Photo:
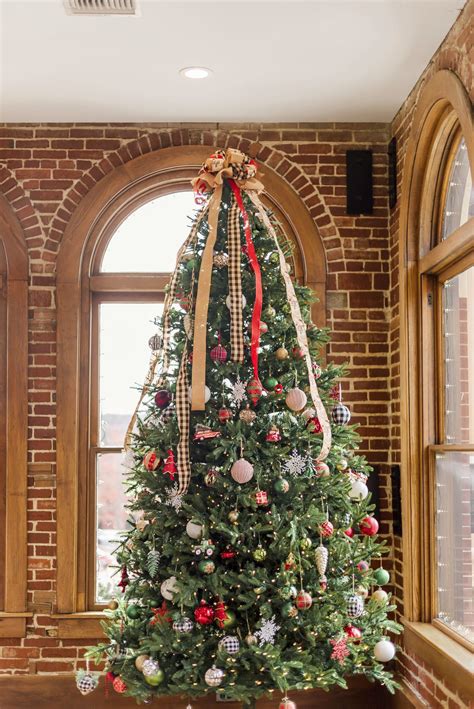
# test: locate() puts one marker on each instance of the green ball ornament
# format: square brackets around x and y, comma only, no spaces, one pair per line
[275,257]
[229,621]
[155,679]
[133,612]
[259,554]
[285,592]
[206,566]
[270,312]
[342,464]
[381,576]
[282,485]
[270,383]
[306,543]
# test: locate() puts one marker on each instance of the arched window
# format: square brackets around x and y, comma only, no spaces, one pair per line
[113,267]
[13,423]
[437,368]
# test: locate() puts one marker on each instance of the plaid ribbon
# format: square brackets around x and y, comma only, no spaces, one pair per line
[164,349]
[235,282]
[300,331]
[184,415]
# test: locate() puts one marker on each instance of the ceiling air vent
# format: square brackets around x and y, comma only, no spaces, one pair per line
[100,7]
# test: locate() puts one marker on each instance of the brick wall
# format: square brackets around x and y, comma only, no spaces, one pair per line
[46,171]
[457,54]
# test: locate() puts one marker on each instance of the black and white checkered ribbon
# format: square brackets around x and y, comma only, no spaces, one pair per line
[183,413]
[235,283]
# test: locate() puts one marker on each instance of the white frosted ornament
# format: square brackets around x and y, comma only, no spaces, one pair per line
[308,414]
[194,529]
[168,588]
[244,301]
[214,676]
[379,596]
[207,394]
[242,471]
[296,399]
[384,651]
[321,556]
[150,667]
[359,490]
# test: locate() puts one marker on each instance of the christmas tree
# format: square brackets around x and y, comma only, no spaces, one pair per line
[251,560]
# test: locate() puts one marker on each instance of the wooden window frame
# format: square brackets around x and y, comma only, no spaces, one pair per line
[443,111]
[13,421]
[79,279]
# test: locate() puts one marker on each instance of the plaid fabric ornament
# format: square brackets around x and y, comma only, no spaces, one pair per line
[355,606]
[230,644]
[326,528]
[86,682]
[218,354]
[341,414]
[183,626]
[261,497]
[235,283]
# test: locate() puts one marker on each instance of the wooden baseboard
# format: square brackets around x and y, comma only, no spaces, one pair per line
[59,691]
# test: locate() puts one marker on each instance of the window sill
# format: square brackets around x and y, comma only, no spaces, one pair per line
[80,625]
[13,625]
[450,660]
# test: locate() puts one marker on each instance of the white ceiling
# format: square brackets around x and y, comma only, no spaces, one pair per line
[293,60]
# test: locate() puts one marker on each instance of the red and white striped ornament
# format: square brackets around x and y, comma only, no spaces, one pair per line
[304,600]
[326,528]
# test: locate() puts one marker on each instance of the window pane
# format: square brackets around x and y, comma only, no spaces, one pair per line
[111,519]
[455,540]
[125,328]
[458,305]
[459,202]
[149,238]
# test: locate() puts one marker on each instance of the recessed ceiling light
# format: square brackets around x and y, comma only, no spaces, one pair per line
[195,72]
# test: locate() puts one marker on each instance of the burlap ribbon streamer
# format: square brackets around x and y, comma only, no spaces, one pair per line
[164,349]
[198,381]
[226,165]
[300,332]
[235,283]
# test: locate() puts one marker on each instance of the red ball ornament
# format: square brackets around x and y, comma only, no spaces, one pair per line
[349,532]
[297,352]
[218,354]
[322,470]
[263,327]
[369,526]
[278,388]
[151,461]
[286,704]
[224,414]
[353,633]
[273,435]
[204,614]
[162,398]
[303,601]
[183,300]
[326,528]
[119,685]
[227,554]
[254,390]
[363,567]
[314,425]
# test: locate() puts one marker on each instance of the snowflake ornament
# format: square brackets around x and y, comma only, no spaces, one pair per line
[297,464]
[340,651]
[173,498]
[267,632]
[238,391]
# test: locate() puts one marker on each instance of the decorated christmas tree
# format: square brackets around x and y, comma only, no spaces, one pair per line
[251,563]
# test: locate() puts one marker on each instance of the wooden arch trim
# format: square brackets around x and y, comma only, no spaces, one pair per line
[14,417]
[127,184]
[442,103]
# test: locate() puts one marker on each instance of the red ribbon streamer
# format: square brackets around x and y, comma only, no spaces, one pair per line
[257,306]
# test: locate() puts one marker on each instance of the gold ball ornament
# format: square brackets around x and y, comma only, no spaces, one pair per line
[113,605]
[251,639]
[247,415]
[140,660]
[281,353]
[233,516]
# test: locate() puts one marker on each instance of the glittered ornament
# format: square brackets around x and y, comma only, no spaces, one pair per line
[342,464]
[353,633]
[379,596]
[359,490]
[220,259]
[162,398]
[150,667]
[381,576]
[224,414]
[341,414]
[290,562]
[306,543]
[194,529]
[286,704]
[242,471]
[151,460]
[270,312]
[230,644]
[86,682]
[169,467]
[321,556]
[169,587]
[326,528]
[204,614]
[281,485]
[244,301]
[154,343]
[214,676]
[369,526]
[288,610]
[321,470]
[119,685]
[296,399]
[304,600]
[210,478]
[355,606]
[247,415]
[227,554]
[261,497]
[281,353]
[254,390]
[259,554]
[233,516]
[140,660]
[183,625]
[218,354]
[206,566]
[384,651]
[273,435]
[155,679]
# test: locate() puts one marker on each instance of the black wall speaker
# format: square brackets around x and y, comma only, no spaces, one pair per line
[359,182]
[396,499]
[392,173]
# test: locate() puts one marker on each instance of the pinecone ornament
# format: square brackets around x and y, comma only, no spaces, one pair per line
[321,556]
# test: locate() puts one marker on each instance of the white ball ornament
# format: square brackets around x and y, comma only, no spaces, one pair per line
[242,471]
[379,596]
[384,651]
[207,394]
[194,529]
[150,667]
[296,399]
[214,676]
[168,588]
[359,490]
[244,301]
[341,415]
